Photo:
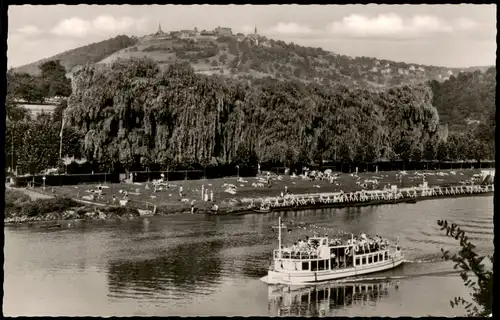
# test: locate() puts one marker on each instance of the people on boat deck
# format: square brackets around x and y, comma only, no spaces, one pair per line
[363,244]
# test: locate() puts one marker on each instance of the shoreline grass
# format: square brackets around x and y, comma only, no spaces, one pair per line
[169,201]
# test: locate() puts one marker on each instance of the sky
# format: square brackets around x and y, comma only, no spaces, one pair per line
[444,35]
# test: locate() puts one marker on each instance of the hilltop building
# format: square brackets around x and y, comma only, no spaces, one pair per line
[188,33]
[254,37]
[223,31]
[160,32]
[207,33]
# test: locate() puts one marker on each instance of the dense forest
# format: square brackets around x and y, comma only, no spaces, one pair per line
[134,114]
[466,99]
[50,82]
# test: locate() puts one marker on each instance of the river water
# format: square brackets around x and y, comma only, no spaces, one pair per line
[206,265]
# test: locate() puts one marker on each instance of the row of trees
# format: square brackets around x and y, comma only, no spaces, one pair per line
[133,114]
[465,99]
[32,143]
[50,82]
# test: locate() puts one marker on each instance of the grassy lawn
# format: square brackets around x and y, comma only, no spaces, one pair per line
[146,198]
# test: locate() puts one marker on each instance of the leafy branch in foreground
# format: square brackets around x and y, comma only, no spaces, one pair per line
[469,261]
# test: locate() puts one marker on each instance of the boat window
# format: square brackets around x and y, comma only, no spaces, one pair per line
[314,265]
[357,261]
[370,259]
[327,264]
[305,265]
[375,258]
[363,260]
[321,265]
[386,255]
[381,256]
[324,242]
[332,263]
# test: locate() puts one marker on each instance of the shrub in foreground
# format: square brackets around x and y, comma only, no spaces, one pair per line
[470,262]
[121,211]
[45,206]
[14,202]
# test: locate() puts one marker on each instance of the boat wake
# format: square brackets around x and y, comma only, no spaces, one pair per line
[426,260]
[400,277]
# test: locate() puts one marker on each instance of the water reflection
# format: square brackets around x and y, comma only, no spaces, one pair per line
[324,299]
[188,267]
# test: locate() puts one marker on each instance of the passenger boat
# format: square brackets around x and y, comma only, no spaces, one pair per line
[263,209]
[329,261]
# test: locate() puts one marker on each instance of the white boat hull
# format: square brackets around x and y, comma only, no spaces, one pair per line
[298,277]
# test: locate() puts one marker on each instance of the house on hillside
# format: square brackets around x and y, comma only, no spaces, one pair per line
[412,68]
[184,34]
[223,31]
[421,69]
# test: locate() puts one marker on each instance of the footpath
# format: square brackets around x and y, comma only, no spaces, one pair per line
[35,195]
[32,194]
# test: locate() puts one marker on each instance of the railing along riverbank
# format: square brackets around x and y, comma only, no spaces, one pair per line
[371,197]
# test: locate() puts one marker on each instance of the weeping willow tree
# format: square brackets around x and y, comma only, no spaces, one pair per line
[133,113]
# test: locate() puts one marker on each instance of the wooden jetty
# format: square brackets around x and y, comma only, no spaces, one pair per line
[371,197]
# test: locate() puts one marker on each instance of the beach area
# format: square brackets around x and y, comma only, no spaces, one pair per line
[232,195]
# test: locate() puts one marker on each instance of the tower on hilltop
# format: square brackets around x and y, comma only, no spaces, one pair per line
[255,31]
[159,29]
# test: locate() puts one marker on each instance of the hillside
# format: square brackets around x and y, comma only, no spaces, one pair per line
[91,53]
[254,56]
[257,57]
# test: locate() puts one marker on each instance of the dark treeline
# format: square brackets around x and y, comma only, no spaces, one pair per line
[466,98]
[49,83]
[466,105]
[32,144]
[132,115]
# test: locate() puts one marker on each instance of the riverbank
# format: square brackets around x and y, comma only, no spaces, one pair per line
[232,195]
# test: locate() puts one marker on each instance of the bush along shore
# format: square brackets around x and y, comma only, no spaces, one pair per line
[20,208]
[67,202]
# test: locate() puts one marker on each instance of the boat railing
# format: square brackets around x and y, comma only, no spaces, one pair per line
[298,255]
[304,255]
